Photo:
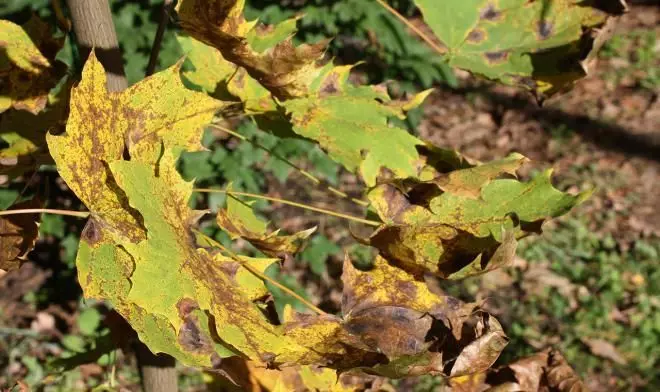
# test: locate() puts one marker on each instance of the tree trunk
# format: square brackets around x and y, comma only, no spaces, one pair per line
[157,371]
[92,24]
[93,27]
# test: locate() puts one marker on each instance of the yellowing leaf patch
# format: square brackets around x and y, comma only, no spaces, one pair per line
[157,113]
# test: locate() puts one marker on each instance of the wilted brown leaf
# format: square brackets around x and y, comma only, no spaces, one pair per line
[605,349]
[18,235]
[544,371]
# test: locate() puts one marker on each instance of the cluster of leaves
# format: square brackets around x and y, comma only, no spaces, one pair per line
[439,213]
[364,30]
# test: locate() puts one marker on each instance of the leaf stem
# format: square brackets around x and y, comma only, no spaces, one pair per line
[259,274]
[291,203]
[412,27]
[302,171]
[77,214]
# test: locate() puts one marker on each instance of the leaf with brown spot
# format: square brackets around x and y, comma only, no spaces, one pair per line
[18,235]
[464,222]
[239,221]
[28,69]
[543,46]
[469,182]
[386,311]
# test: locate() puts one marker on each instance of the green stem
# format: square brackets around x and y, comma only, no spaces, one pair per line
[259,274]
[292,203]
[412,27]
[302,171]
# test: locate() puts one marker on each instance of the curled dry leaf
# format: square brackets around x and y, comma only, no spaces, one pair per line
[18,235]
[239,221]
[463,222]
[542,46]
[544,371]
[28,69]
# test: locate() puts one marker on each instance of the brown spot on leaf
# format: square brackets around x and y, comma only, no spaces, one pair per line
[92,233]
[476,35]
[330,85]
[186,306]
[192,338]
[544,29]
[490,13]
[496,57]
[392,330]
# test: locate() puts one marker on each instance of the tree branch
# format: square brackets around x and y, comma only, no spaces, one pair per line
[158,39]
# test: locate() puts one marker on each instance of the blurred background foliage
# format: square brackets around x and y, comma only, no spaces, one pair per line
[586,293]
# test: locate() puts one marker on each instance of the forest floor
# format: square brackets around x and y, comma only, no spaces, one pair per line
[585,286]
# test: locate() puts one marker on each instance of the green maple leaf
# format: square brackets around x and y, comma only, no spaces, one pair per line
[352,125]
[539,45]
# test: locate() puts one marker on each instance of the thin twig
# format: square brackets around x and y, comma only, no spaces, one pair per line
[158,39]
[302,171]
[412,27]
[77,214]
[291,203]
[259,274]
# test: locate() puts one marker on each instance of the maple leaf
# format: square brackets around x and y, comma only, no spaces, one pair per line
[267,54]
[239,221]
[351,124]
[159,112]
[18,235]
[249,376]
[28,69]
[543,46]
[463,222]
